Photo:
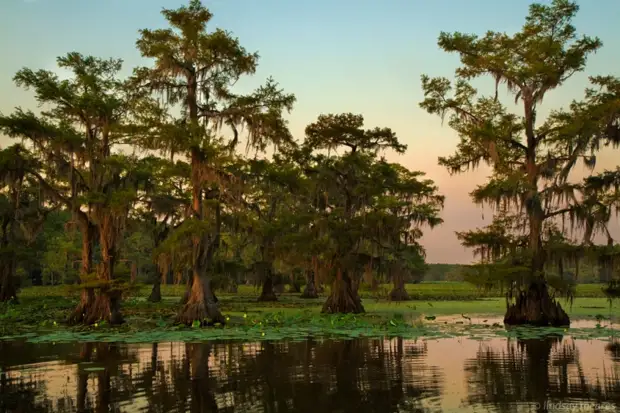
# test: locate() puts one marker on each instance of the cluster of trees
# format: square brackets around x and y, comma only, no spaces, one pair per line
[158,150]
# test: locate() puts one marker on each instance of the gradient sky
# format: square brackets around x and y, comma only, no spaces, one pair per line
[360,56]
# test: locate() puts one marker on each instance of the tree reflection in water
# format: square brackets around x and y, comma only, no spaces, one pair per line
[347,376]
[311,376]
[535,372]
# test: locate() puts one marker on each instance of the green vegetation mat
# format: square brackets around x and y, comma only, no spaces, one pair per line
[41,313]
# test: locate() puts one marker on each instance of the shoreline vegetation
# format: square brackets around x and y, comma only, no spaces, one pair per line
[437,310]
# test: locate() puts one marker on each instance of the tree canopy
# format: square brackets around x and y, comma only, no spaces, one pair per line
[144,177]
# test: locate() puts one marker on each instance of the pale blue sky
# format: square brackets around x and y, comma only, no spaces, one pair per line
[361,56]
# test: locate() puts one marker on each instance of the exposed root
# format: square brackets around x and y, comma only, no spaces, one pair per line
[267,292]
[200,311]
[536,307]
[106,307]
[201,305]
[87,300]
[342,298]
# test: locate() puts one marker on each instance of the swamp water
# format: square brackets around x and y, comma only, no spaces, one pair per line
[318,376]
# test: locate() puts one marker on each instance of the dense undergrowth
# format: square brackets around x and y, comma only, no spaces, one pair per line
[41,312]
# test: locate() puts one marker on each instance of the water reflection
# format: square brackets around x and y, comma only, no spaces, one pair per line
[311,376]
[534,374]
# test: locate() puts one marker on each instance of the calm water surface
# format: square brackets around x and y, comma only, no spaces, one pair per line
[378,376]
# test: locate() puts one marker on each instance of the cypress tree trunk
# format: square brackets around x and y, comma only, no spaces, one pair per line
[232,287]
[8,290]
[155,296]
[399,292]
[343,299]
[536,307]
[160,276]
[310,290]
[188,290]
[87,296]
[267,292]
[107,305]
[294,287]
[201,304]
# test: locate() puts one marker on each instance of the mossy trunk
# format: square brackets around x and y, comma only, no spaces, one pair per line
[107,305]
[267,293]
[399,293]
[87,296]
[343,298]
[536,307]
[201,303]
[310,290]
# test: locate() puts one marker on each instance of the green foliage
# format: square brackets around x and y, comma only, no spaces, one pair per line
[531,162]
[77,206]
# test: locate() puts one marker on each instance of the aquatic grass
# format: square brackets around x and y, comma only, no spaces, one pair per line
[41,313]
[302,325]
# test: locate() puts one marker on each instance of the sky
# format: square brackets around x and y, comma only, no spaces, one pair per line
[359,56]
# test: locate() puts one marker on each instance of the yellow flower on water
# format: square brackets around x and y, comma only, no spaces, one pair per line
[54,323]
[96,324]
[262,334]
[245,316]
